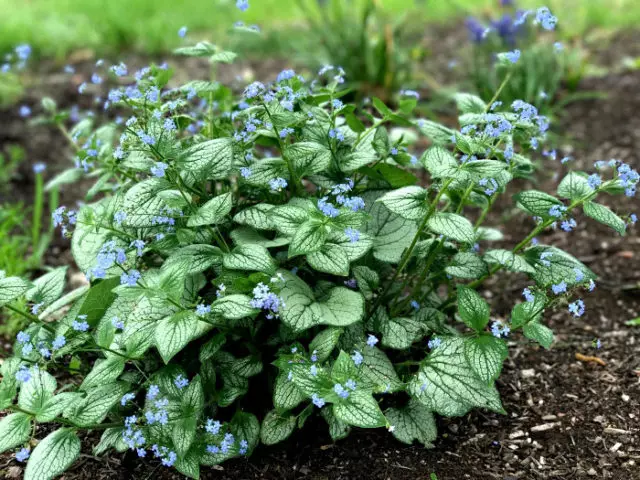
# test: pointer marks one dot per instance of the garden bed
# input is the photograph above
(566, 417)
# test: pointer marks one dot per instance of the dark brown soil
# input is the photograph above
(566, 418)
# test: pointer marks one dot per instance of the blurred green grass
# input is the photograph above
(57, 27)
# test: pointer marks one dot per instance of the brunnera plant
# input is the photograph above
(257, 260)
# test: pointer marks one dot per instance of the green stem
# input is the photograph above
(38, 204)
(499, 91)
(33, 318)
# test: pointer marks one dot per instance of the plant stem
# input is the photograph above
(33, 318)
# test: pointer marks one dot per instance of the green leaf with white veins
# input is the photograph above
(605, 216)
(142, 202)
(53, 455)
(96, 405)
(378, 372)
(309, 238)
(258, 216)
(574, 186)
(173, 333)
(105, 370)
(212, 212)
(360, 409)
(12, 288)
(337, 428)
(413, 422)
(468, 103)
(539, 333)
(558, 266)
(408, 202)
(14, 430)
(194, 258)
(331, 258)
(536, 202)
(440, 162)
(324, 342)
(249, 257)
(35, 393)
(466, 265)
(309, 157)
(400, 333)
(508, 260)
(485, 355)
(233, 307)
(391, 233)
(452, 226)
(285, 394)
(288, 219)
(445, 384)
(54, 407)
(473, 309)
(48, 288)
(277, 427)
(208, 160)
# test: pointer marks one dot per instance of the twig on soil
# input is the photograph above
(589, 358)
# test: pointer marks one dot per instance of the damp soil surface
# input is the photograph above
(573, 412)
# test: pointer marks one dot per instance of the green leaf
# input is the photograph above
(288, 219)
(605, 216)
(575, 187)
(344, 368)
(360, 409)
(485, 355)
(378, 372)
(536, 203)
(96, 405)
(445, 384)
(408, 202)
(53, 455)
(249, 257)
(54, 406)
(309, 238)
(209, 349)
(189, 465)
(413, 422)
(277, 427)
(245, 426)
(286, 395)
(48, 288)
(337, 428)
(367, 280)
(526, 312)
(325, 342)
(557, 267)
(467, 265)
(194, 258)
(331, 258)
(98, 300)
(391, 233)
(71, 175)
(105, 370)
(223, 57)
(393, 176)
(438, 134)
(400, 333)
(173, 333)
(12, 288)
(473, 309)
(184, 428)
(440, 162)
(508, 260)
(233, 307)
(258, 216)
(484, 168)
(538, 333)
(452, 226)
(141, 204)
(14, 430)
(468, 103)
(381, 107)
(37, 391)
(489, 234)
(200, 49)
(208, 160)
(212, 212)
(309, 157)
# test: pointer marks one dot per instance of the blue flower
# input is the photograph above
(415, 305)
(286, 131)
(23, 337)
(559, 288)
(592, 285)
(96, 79)
(180, 382)
(23, 454)
(277, 184)
(558, 46)
(340, 390)
(202, 310)
(139, 246)
(357, 357)
(25, 111)
(153, 392)
(351, 384)
(244, 446)
(352, 234)
(182, 32)
(513, 56)
(337, 134)
(528, 296)
(337, 104)
(158, 170)
(126, 398)
(81, 326)
(213, 427)
(328, 208)
(568, 225)
(579, 274)
(119, 70)
(245, 172)
(594, 181)
(23, 375)
(119, 217)
(543, 258)
(313, 370)
(577, 308)
(372, 340)
(498, 329)
(59, 342)
(23, 51)
(317, 401)
(285, 75)
(410, 93)
(130, 279)
(546, 19)
(169, 125)
(557, 211)
(434, 343)
(242, 5)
